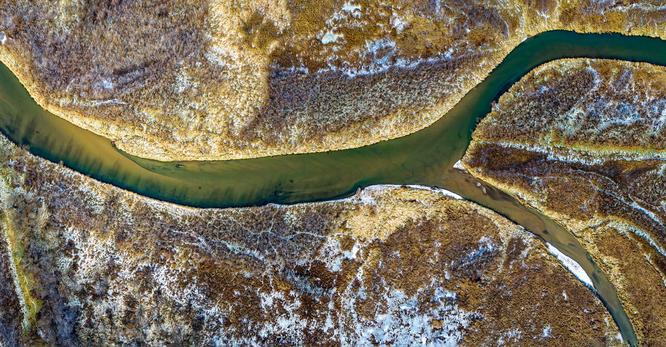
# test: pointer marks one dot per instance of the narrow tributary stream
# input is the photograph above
(549, 231)
(424, 158)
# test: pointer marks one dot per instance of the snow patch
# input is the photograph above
(3, 38)
(438, 7)
(662, 170)
(403, 322)
(618, 337)
(398, 23)
(486, 247)
(183, 82)
(596, 75)
(354, 10)
(382, 55)
(364, 197)
(642, 234)
(553, 153)
(571, 265)
(641, 7)
(459, 166)
(107, 84)
(221, 56)
(625, 115)
(332, 255)
(289, 322)
(647, 212)
(512, 335)
(330, 37)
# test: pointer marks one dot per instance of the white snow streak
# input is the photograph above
(571, 265)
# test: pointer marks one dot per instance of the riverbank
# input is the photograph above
(583, 142)
(387, 265)
(423, 158)
(241, 85)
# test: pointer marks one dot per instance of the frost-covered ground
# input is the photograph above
(571, 265)
(391, 265)
(221, 79)
(584, 141)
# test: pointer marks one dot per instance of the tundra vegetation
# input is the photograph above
(219, 79)
(389, 265)
(584, 141)
(84, 263)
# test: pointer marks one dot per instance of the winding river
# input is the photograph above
(424, 158)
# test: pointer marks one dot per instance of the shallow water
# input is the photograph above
(549, 231)
(425, 157)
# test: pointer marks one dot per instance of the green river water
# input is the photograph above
(424, 158)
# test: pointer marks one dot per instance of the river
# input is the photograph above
(425, 157)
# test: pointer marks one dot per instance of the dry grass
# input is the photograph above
(219, 79)
(108, 262)
(584, 142)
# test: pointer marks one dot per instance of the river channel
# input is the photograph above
(424, 158)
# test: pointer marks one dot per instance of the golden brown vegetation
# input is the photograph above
(584, 142)
(228, 79)
(112, 267)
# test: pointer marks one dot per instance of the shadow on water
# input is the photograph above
(424, 157)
